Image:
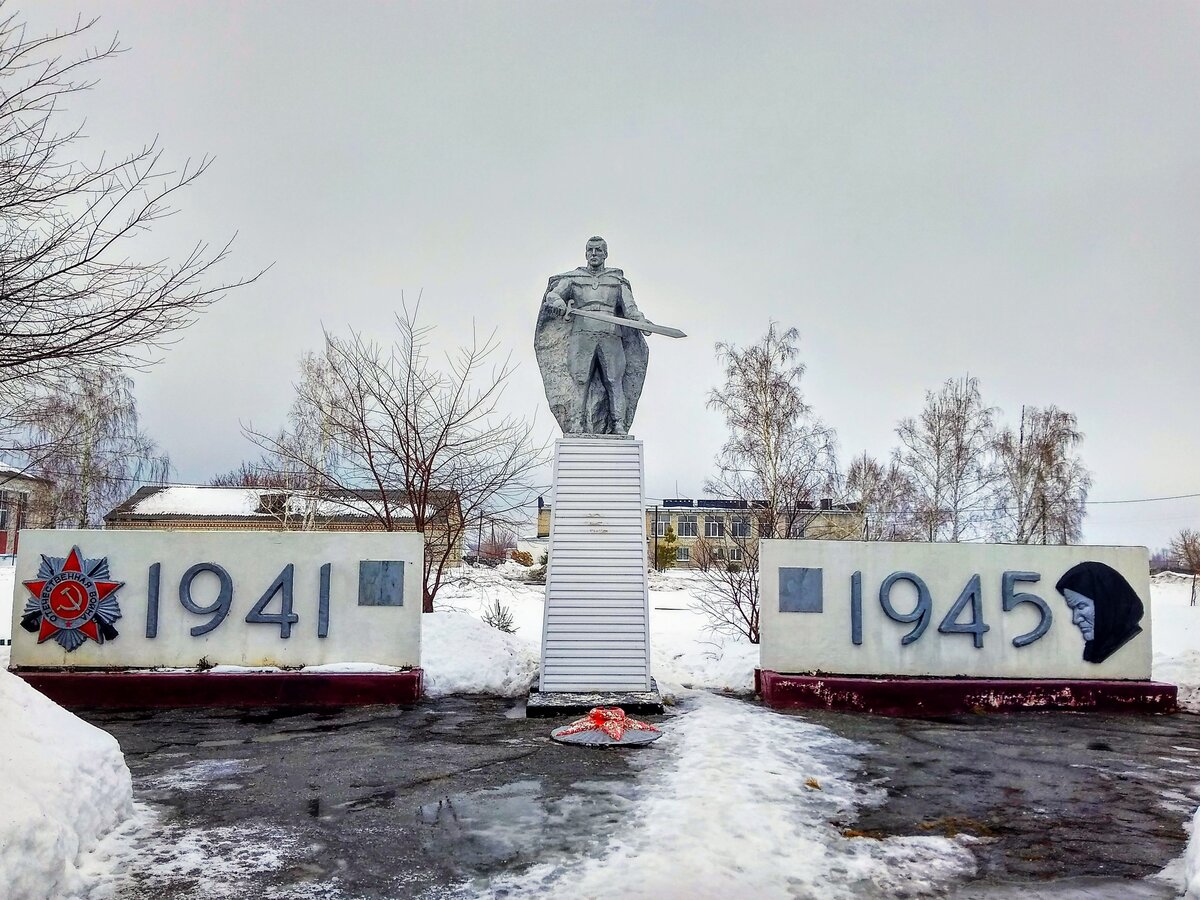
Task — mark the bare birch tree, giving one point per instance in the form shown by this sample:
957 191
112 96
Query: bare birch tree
946 452
1043 484
416 445
1185 547
92 448
74 295
778 461
884 494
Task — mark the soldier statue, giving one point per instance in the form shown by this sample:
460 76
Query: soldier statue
590 346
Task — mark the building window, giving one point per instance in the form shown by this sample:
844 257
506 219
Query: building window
718 552
740 527
661 526
687 526
735 554
714 526
682 554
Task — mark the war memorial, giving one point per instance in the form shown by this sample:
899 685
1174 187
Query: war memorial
317 637
133 618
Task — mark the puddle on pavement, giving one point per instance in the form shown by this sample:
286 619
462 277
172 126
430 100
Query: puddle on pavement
516 711
503 828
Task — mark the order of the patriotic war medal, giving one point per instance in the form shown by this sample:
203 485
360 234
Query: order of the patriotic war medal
73 599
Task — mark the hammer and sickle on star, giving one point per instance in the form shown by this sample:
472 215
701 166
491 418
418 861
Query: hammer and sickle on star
76 594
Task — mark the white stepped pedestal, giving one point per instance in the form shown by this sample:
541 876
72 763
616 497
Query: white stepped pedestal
596 632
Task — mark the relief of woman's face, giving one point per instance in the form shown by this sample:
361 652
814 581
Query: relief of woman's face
1083 613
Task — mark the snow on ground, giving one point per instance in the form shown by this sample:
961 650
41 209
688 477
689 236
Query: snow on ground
6 601
462 655
63 785
214 863
1176 631
786 790
1192 861
683 654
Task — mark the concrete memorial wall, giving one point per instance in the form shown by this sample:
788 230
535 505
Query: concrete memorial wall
1003 611
144 599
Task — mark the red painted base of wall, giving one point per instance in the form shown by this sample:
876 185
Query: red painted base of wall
920 697
146 690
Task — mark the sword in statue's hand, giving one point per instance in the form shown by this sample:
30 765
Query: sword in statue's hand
640 324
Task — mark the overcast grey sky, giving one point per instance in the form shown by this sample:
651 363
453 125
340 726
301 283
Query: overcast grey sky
924 189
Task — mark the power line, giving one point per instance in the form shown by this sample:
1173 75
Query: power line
1141 500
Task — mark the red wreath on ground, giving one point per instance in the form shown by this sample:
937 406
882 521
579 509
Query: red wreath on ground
609 719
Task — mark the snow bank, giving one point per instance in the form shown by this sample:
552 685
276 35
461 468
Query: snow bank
787 792
1192 861
1176 637
63 785
683 654
6 601
462 655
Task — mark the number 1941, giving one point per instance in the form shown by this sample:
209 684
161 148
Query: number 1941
218 608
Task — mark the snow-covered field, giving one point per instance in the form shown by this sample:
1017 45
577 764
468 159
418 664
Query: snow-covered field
65 784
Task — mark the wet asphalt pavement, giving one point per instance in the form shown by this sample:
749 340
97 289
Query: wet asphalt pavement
380 802
1049 796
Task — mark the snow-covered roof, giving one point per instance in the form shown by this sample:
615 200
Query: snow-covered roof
181 502
10 474
200 501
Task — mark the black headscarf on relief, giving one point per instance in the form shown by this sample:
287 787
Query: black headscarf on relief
1118 607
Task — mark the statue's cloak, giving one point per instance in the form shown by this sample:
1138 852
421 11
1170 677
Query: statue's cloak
551 340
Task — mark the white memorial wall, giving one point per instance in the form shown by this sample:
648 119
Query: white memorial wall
149 598
975 610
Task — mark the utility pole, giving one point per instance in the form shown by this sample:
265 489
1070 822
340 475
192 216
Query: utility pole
656 568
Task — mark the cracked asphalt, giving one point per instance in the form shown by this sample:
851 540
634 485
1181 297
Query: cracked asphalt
380 802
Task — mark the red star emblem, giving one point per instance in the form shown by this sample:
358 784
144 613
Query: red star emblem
72 599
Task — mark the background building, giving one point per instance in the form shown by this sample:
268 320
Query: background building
19 504
277 509
715 530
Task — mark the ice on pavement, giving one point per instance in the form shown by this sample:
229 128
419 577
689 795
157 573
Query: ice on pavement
740 801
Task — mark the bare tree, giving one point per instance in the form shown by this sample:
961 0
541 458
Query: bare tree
884 493
730 597
414 445
946 452
497 544
73 293
1185 547
254 475
1162 560
93 450
778 461
1043 485
777 451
